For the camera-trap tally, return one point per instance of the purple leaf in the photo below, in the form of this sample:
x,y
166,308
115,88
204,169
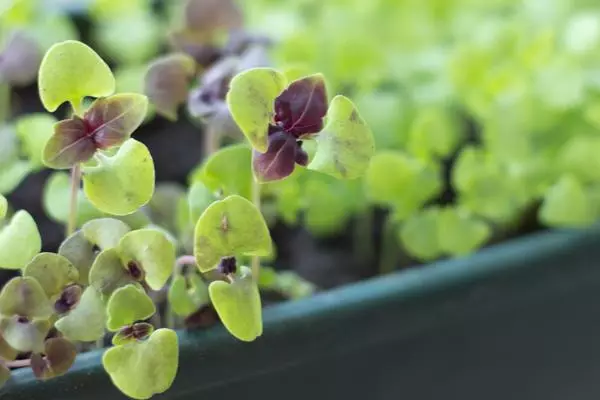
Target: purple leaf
x,y
69,145
207,16
279,160
300,108
107,123
111,120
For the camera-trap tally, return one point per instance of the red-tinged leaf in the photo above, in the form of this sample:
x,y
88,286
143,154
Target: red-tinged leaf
x,y
69,145
300,108
167,83
111,121
60,355
205,54
20,60
279,160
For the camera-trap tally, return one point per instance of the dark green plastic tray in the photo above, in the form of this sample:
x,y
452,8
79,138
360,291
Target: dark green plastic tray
x,y
519,320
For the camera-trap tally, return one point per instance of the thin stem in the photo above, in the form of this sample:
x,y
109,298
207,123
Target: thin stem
x,y
78,108
211,140
388,255
18,363
4,102
75,183
363,237
256,201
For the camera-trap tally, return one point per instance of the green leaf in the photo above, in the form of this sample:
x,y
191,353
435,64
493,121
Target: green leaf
x,y
80,253
419,234
229,227
144,368
3,207
4,375
163,207
460,233
238,305
25,297
413,183
121,184
55,197
107,273
567,204
6,351
152,251
346,144
12,174
105,232
579,157
199,198
25,336
434,132
251,99
86,322
71,71
34,130
20,241
127,305
229,170
187,294
52,271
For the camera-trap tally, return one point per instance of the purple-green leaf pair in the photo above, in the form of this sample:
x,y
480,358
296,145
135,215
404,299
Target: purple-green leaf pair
x,y
109,122
276,118
299,113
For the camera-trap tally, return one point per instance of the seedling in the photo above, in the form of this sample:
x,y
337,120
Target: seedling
x,y
126,240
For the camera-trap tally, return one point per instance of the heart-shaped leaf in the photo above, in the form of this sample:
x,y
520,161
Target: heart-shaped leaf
x,y
60,355
71,71
144,368
86,322
24,335
300,108
68,299
251,100
52,271
107,123
3,207
20,241
229,227
127,305
167,83
419,234
24,297
238,305
164,206
187,294
34,130
55,200
346,145
121,184
12,174
567,204
108,273
80,253
208,16
19,60
105,232
152,252
460,233
229,171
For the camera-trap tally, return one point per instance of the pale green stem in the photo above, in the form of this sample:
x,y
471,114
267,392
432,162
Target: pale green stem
x,y
75,183
211,141
256,201
363,237
78,108
388,255
4,102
